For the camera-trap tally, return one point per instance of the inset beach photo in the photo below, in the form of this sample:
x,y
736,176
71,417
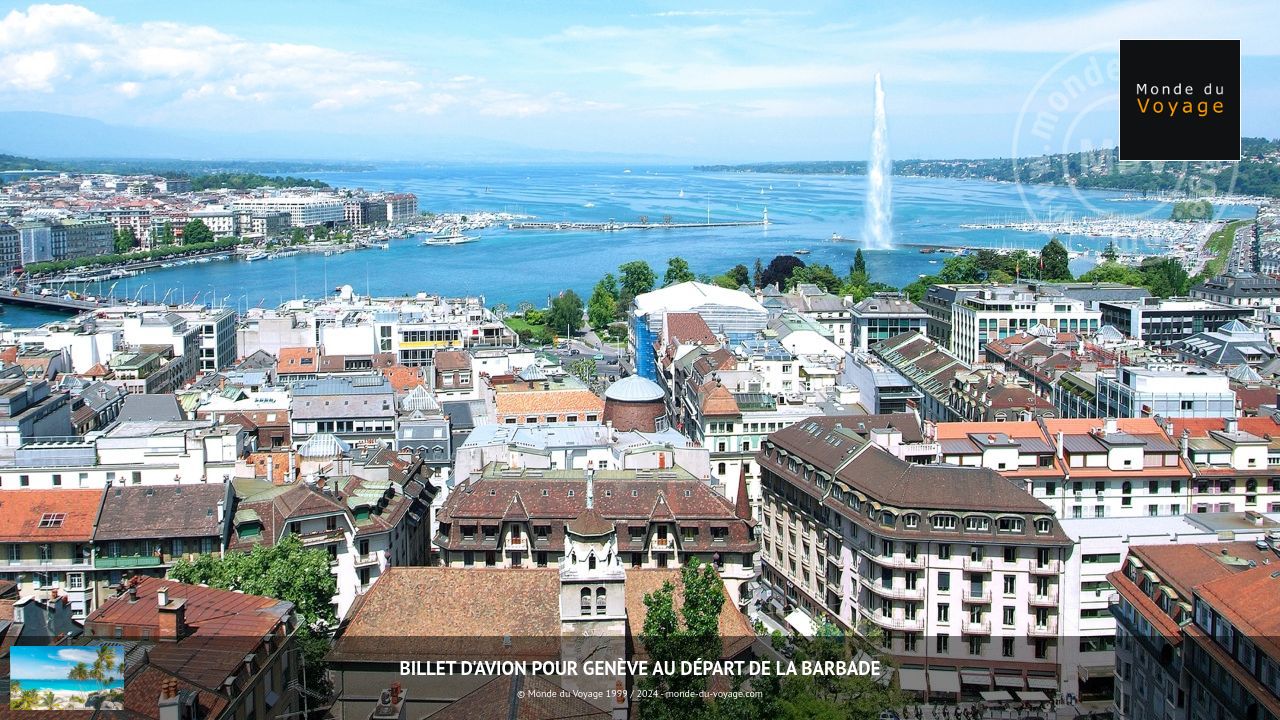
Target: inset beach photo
x,y
66,677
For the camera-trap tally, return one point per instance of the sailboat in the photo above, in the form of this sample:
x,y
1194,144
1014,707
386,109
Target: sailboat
x,y
681,192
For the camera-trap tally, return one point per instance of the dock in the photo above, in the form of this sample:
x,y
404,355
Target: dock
x,y
613,226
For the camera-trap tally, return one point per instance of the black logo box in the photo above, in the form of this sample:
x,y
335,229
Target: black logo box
x,y
1185,65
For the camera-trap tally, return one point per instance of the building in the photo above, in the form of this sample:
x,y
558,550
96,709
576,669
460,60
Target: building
x,y
531,397
1195,629
366,523
1164,321
47,537
880,388
996,312
304,210
1229,346
30,410
65,239
828,310
143,530
635,403
1260,293
1164,390
133,216
10,248
451,374
518,516
929,367
203,653
1235,463
222,222
352,408
264,223
958,568
882,316
401,207
724,311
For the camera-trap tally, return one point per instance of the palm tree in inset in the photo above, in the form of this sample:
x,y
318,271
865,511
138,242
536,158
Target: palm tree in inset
x,y
104,665
48,700
80,671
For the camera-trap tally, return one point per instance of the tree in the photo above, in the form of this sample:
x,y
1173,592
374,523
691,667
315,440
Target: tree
x,y
677,272
757,274
125,241
1110,254
195,232
166,235
832,695
779,271
501,310
1165,277
666,640
602,308
1113,272
287,571
739,275
584,368
321,232
637,278
1054,261
821,275
565,313
297,236
859,262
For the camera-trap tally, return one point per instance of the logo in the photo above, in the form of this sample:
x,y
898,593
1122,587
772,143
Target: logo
x,y
1180,100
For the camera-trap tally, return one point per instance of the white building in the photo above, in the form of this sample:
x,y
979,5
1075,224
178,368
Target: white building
x,y
304,210
1164,390
997,312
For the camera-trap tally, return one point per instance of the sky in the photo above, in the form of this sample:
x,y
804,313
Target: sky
x,y
682,80
53,663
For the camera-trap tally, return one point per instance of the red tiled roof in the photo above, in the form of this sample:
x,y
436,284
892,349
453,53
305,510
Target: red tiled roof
x,y
452,360
1200,427
685,328
402,378
297,360
62,514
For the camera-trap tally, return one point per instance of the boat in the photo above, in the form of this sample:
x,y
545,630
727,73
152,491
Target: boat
x,y
255,255
802,252
451,238
589,205
836,237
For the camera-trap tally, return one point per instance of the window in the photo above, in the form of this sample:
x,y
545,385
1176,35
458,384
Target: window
x,y
51,520
944,581
1006,647
1011,525
1010,584
1010,554
24,481
942,644
1008,617
57,480
490,558
944,613
944,551
585,602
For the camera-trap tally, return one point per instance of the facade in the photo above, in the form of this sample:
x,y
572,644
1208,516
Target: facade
x,y
48,540
930,368
401,207
1195,629
723,311
1164,390
1260,293
1235,463
829,311
997,312
882,316
958,568
10,248
352,408
30,410
222,222
518,517
65,239
1164,321
304,210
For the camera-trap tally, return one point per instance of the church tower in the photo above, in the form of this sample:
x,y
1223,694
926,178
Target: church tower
x,y
593,604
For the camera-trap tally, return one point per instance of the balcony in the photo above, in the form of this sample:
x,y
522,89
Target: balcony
x,y
972,565
367,559
1043,600
128,561
976,628
893,561
517,543
1052,567
50,564
324,537
1048,628
896,593
663,544
897,623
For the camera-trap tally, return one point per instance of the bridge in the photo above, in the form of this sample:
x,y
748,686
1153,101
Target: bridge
x,y
52,302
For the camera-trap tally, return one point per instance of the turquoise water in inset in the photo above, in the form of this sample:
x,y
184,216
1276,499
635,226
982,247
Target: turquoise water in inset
x,y
79,686
510,266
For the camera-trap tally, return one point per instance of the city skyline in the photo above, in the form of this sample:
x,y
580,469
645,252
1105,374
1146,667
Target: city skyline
x,y
711,82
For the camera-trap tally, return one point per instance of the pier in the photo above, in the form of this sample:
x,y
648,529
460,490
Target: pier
x,y
612,226
51,302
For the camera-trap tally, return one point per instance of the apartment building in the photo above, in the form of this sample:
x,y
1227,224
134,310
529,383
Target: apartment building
x,y
882,316
352,408
815,304
10,248
957,567
1255,291
1163,321
48,543
517,517
304,210
1195,629
930,368
401,207
203,652
1235,463
996,312
30,410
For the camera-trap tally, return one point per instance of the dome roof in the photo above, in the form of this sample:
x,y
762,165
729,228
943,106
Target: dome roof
x,y
634,389
323,445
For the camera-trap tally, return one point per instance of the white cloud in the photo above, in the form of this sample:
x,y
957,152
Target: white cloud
x,y
129,89
77,655
29,71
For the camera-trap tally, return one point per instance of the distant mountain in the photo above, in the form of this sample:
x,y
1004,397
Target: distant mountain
x,y
54,136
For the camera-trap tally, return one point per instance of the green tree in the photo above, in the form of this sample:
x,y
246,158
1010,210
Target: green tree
x,y
1165,277
297,236
739,275
677,272
821,275
125,240
196,232
584,368
1054,261
287,571
859,262
602,308
166,235
637,278
779,271
565,313
48,700
1111,254
667,639
830,695
321,232
757,274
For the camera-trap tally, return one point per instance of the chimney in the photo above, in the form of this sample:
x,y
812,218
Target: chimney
x,y
591,486
1110,426
1232,424
222,510
1185,443
1058,449
391,704
162,596
133,595
173,620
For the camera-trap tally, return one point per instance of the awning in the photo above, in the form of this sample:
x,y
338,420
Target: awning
x,y
996,696
1044,683
1033,696
944,681
975,677
1095,671
911,679
1009,681
801,623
